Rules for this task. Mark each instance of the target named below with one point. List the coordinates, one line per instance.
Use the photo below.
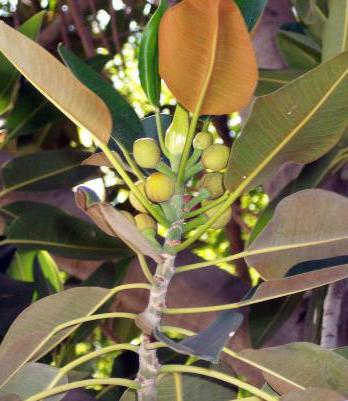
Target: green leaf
(45, 171)
(299, 51)
(291, 124)
(35, 331)
(192, 388)
(42, 285)
(41, 226)
(271, 80)
(307, 365)
(252, 11)
(335, 39)
(208, 343)
(313, 394)
(126, 125)
(150, 127)
(30, 113)
(8, 74)
(296, 234)
(148, 56)
(32, 379)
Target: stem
(123, 174)
(132, 163)
(193, 224)
(83, 359)
(209, 206)
(219, 376)
(160, 133)
(145, 268)
(187, 147)
(165, 169)
(192, 171)
(194, 157)
(83, 383)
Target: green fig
(213, 182)
(146, 152)
(215, 157)
(202, 140)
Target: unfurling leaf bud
(177, 132)
(215, 157)
(145, 222)
(146, 152)
(213, 182)
(222, 220)
(202, 140)
(133, 200)
(159, 187)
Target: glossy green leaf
(41, 226)
(335, 40)
(42, 285)
(32, 379)
(150, 127)
(296, 234)
(148, 56)
(300, 51)
(313, 394)
(126, 125)
(30, 113)
(307, 365)
(251, 10)
(8, 74)
(192, 388)
(45, 171)
(291, 124)
(271, 80)
(208, 343)
(35, 331)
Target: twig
(81, 28)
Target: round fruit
(146, 152)
(159, 187)
(213, 182)
(222, 220)
(202, 140)
(133, 200)
(129, 216)
(145, 222)
(216, 157)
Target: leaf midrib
(289, 137)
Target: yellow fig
(222, 220)
(213, 182)
(215, 157)
(133, 200)
(202, 140)
(144, 222)
(159, 187)
(146, 152)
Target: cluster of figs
(159, 187)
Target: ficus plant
(183, 182)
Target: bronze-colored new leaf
(206, 56)
(56, 82)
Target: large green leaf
(305, 227)
(335, 39)
(299, 122)
(303, 364)
(31, 112)
(56, 82)
(8, 74)
(32, 379)
(191, 388)
(148, 56)
(41, 226)
(299, 51)
(126, 125)
(271, 80)
(35, 331)
(251, 11)
(45, 171)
